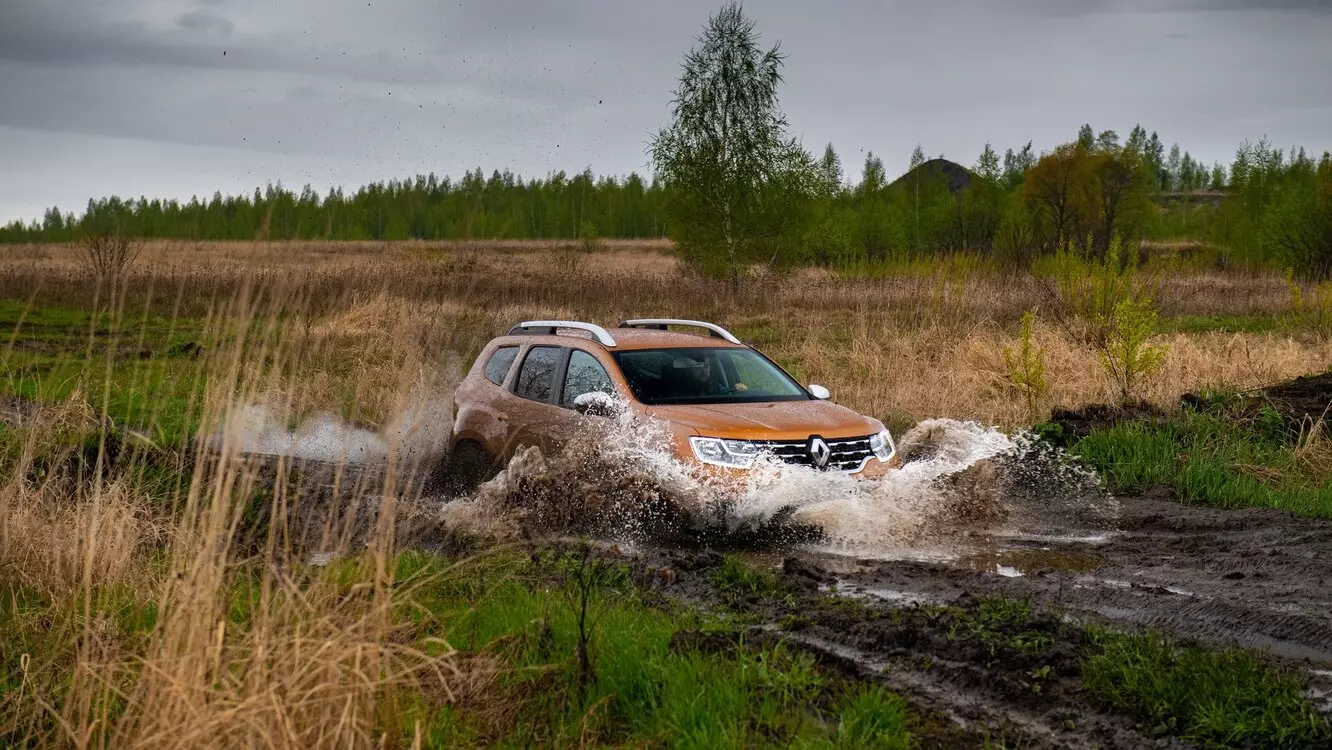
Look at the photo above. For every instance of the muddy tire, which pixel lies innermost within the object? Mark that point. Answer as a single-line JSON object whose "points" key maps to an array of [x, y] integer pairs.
{"points": [[469, 466]]}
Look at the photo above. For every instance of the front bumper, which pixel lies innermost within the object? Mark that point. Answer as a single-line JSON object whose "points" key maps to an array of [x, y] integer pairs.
{"points": [[871, 469]]}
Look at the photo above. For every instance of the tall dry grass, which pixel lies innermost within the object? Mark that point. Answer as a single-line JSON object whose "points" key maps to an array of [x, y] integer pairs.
{"points": [[244, 643], [925, 340]]}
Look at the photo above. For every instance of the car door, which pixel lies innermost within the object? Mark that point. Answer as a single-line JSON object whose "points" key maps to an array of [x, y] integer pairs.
{"points": [[535, 417], [585, 373]]}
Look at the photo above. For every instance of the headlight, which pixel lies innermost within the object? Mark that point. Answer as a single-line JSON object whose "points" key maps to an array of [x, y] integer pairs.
{"points": [[737, 454], [882, 445]]}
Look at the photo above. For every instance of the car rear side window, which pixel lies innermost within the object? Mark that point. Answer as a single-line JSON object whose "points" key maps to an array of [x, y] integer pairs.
{"points": [[537, 376], [586, 375], [497, 369]]}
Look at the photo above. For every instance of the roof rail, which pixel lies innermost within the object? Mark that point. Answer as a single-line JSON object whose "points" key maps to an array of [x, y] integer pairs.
{"points": [[551, 327], [661, 324]]}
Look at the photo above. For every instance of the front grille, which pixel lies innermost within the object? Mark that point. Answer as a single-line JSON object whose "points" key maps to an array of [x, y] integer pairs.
{"points": [[848, 454]]}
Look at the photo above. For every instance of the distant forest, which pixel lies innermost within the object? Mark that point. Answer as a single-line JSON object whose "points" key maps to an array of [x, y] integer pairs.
{"points": [[1269, 205]]}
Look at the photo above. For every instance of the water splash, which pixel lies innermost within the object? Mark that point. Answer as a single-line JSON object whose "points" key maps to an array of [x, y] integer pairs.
{"points": [[624, 483], [417, 435]]}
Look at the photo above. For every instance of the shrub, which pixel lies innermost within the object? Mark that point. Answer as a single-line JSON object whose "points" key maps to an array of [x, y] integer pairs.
{"points": [[1126, 355], [1312, 311], [107, 254], [1025, 368], [1086, 289], [591, 238]]}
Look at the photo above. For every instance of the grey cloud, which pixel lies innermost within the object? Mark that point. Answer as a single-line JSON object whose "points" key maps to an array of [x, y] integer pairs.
{"points": [[203, 20], [40, 35], [1058, 8]]}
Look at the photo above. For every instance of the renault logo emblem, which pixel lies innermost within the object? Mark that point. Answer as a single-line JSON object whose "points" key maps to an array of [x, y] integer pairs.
{"points": [[819, 452]]}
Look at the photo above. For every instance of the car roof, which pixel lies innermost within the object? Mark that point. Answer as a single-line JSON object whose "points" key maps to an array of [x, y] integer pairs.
{"points": [[630, 339]]}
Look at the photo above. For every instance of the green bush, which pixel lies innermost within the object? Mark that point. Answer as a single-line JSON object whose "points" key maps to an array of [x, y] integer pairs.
{"points": [[1126, 356], [1025, 368]]}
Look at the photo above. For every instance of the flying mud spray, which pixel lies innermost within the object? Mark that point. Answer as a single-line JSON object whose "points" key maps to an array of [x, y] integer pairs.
{"points": [[617, 481], [621, 483]]}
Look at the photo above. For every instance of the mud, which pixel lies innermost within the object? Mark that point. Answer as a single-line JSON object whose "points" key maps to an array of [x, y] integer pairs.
{"points": [[979, 677], [1251, 578], [1303, 398], [1075, 424]]}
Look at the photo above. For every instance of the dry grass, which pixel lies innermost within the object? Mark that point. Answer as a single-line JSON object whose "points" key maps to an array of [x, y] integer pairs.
{"points": [[245, 646], [924, 341]]}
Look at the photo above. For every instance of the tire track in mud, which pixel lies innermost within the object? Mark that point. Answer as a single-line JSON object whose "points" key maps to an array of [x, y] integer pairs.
{"points": [[1254, 578]]}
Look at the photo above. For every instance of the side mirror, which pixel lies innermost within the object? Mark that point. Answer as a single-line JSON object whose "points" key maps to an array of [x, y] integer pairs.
{"points": [[819, 392], [596, 404]]}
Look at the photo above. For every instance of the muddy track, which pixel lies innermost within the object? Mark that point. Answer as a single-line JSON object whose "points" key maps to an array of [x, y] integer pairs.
{"points": [[1254, 578]]}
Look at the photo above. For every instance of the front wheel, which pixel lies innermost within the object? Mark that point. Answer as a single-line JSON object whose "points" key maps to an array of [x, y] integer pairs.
{"points": [[470, 464]]}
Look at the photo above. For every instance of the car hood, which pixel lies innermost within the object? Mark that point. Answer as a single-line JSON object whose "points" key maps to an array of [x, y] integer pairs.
{"points": [[781, 420]]}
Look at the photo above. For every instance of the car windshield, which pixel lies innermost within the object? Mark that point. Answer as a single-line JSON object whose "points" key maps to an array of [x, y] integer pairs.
{"points": [[711, 375]]}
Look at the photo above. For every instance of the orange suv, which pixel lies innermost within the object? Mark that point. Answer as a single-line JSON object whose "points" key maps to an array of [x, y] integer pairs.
{"points": [[723, 403]]}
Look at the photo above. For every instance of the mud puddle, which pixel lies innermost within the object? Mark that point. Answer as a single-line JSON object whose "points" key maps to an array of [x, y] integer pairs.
{"points": [[1254, 578]]}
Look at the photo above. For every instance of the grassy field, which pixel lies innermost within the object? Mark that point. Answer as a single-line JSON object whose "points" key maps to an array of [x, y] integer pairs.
{"points": [[155, 596]]}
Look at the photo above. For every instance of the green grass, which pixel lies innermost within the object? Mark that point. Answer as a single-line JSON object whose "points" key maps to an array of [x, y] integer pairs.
{"points": [[1217, 698], [142, 369], [645, 689], [1219, 324], [1211, 459], [1000, 623], [735, 576]]}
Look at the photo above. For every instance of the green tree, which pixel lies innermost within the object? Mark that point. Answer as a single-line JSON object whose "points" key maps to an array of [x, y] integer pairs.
{"points": [[1127, 357], [830, 171], [1086, 138], [875, 228], [736, 180], [917, 157], [1025, 368], [987, 165], [1056, 189], [1172, 169], [1155, 159]]}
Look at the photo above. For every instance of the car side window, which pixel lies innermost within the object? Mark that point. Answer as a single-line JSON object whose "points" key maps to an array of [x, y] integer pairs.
{"points": [[537, 376], [497, 369], [585, 375]]}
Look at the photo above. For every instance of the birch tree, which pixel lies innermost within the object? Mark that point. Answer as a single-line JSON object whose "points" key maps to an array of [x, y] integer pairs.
{"points": [[737, 184]]}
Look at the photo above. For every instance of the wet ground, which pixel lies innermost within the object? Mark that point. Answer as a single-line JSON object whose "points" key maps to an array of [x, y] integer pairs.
{"points": [[1254, 578]]}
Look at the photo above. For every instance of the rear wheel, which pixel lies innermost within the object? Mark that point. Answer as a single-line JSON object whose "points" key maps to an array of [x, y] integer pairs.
{"points": [[470, 464]]}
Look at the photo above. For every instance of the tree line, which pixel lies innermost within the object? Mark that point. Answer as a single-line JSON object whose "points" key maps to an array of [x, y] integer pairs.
{"points": [[502, 206]]}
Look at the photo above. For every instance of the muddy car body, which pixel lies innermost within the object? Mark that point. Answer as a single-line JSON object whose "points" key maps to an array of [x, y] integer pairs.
{"points": [[724, 405]]}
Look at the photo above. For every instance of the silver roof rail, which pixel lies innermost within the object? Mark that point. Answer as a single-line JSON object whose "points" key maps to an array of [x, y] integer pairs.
{"points": [[660, 324], [550, 327]]}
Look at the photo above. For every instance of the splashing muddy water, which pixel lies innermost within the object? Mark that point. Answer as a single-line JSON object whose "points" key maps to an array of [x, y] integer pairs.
{"points": [[625, 486], [415, 436], [620, 481]]}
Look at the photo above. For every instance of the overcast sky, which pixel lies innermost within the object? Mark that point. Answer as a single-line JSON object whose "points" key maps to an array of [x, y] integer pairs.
{"points": [[178, 97]]}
